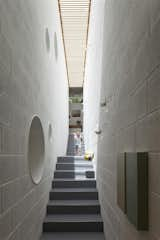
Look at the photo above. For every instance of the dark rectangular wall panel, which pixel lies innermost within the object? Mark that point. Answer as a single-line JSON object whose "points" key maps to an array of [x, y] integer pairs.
{"points": [[121, 183], [137, 189], [131, 188]]}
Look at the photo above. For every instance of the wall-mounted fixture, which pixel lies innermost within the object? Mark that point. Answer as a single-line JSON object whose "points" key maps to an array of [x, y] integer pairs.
{"points": [[132, 188], [97, 130], [103, 102]]}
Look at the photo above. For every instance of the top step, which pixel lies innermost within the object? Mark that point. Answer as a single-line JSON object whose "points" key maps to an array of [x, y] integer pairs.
{"points": [[70, 159]]}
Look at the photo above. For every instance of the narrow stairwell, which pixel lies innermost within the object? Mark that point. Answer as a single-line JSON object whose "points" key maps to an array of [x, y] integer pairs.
{"points": [[73, 211]]}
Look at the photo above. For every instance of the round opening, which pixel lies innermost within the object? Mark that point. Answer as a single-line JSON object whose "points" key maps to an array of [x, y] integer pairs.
{"points": [[50, 132], [55, 45], [36, 150], [47, 40]]}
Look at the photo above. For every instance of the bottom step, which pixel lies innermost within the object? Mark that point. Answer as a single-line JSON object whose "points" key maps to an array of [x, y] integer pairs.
{"points": [[73, 236], [73, 223]]}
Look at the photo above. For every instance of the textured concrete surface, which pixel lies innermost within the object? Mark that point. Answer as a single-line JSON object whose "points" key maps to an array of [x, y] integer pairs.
{"points": [[130, 121], [32, 82], [73, 236], [93, 72]]}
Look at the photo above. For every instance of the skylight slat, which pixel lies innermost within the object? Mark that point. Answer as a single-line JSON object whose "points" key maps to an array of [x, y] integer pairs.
{"points": [[74, 18]]}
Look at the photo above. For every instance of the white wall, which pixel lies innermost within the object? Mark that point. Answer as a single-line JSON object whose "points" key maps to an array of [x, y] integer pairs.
{"points": [[92, 82], [32, 82], [131, 119]]}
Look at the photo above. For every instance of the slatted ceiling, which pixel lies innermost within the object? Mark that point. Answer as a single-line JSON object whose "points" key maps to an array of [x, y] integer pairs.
{"points": [[75, 19]]}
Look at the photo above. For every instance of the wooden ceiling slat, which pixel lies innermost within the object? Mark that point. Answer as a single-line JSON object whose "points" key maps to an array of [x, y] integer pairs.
{"points": [[74, 19]]}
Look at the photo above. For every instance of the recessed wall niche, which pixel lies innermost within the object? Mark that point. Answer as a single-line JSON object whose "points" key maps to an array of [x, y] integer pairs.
{"points": [[36, 150]]}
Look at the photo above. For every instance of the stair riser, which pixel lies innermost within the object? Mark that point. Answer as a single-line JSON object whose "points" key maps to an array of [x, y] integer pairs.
{"points": [[64, 158], [72, 174], [74, 184], [73, 161], [64, 174], [73, 227], [67, 160], [73, 236], [68, 166], [74, 196], [70, 160], [90, 174], [73, 209]]}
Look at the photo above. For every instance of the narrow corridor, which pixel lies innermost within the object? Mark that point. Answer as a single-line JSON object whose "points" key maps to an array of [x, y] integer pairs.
{"points": [[69, 67], [73, 211]]}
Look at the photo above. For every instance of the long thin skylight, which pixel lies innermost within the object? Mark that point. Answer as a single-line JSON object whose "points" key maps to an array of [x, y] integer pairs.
{"points": [[75, 21]]}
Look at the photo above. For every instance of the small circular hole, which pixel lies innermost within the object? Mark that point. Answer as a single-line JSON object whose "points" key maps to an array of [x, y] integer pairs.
{"points": [[47, 38], [55, 45], [50, 132]]}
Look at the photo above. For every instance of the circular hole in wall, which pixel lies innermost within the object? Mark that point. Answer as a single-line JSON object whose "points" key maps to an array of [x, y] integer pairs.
{"points": [[47, 39], [55, 45], [36, 150], [50, 132]]}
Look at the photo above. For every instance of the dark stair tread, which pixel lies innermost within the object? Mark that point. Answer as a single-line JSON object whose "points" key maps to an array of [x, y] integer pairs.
{"points": [[74, 183], [71, 179], [73, 236], [72, 160], [73, 207], [73, 223], [78, 163], [72, 157], [73, 202], [77, 178], [74, 190], [78, 218], [72, 166], [74, 170], [74, 173]]}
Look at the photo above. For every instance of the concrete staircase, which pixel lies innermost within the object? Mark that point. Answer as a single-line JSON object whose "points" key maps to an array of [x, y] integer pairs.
{"points": [[73, 211]]}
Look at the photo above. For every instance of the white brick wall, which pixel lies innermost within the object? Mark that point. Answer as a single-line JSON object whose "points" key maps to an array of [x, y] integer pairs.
{"points": [[131, 120], [32, 82], [92, 82]]}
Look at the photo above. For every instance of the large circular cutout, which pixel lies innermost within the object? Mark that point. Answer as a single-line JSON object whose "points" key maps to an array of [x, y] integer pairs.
{"points": [[55, 46], [36, 150]]}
